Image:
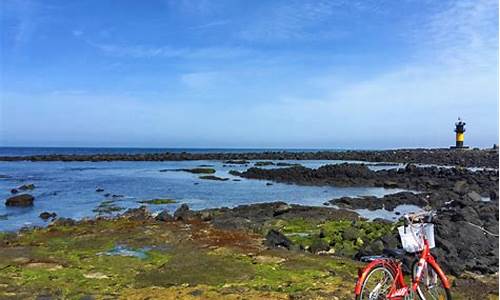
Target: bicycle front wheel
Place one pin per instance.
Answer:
(431, 286)
(376, 284)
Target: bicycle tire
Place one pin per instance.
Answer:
(372, 270)
(419, 292)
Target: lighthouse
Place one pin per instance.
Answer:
(459, 138)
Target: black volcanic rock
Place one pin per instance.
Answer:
(471, 158)
(20, 200)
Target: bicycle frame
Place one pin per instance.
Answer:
(399, 289)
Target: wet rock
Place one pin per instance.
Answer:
(164, 216)
(264, 163)
(47, 215)
(63, 222)
(107, 207)
(390, 184)
(27, 187)
(200, 170)
(319, 245)
(461, 187)
(494, 195)
(474, 196)
(183, 213)
(388, 202)
(424, 179)
(285, 164)
(139, 214)
(471, 158)
(14, 191)
(205, 216)
(212, 177)
(236, 162)
(255, 216)
(99, 190)
(461, 242)
(20, 200)
(276, 239)
(281, 209)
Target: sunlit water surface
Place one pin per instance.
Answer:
(69, 188)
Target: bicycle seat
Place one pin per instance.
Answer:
(394, 252)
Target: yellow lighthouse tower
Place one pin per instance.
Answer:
(459, 138)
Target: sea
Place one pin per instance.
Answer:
(70, 188)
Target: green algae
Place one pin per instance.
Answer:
(346, 237)
(107, 207)
(212, 177)
(200, 170)
(158, 201)
(197, 267)
(67, 262)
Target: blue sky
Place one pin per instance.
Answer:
(186, 73)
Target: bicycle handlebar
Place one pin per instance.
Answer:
(419, 217)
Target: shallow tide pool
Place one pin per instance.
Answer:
(69, 188)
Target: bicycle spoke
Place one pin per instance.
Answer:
(430, 285)
(377, 284)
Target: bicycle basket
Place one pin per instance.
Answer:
(412, 239)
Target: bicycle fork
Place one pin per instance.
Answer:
(399, 290)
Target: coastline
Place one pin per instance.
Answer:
(486, 158)
(264, 251)
(268, 250)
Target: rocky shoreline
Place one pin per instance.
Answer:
(268, 250)
(466, 201)
(465, 158)
(448, 182)
(466, 231)
(265, 250)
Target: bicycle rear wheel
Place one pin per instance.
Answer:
(431, 286)
(376, 284)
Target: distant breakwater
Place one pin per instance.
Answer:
(468, 158)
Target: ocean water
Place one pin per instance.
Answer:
(69, 188)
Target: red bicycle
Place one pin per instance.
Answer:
(383, 277)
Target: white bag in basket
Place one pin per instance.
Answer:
(412, 240)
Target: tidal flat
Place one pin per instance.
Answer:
(137, 256)
(272, 229)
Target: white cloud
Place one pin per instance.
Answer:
(454, 74)
(463, 34)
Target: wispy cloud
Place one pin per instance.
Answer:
(455, 74)
(144, 51)
(211, 25)
(24, 15)
(301, 20)
(464, 33)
